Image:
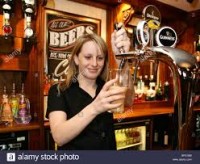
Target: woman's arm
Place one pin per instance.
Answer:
(64, 130)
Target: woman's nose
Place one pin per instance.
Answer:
(94, 61)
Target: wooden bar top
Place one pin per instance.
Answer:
(149, 109)
(144, 108)
(132, 112)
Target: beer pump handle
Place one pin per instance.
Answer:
(121, 50)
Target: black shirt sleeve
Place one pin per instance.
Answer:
(55, 101)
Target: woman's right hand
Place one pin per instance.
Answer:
(120, 40)
(103, 102)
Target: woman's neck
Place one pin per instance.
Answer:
(88, 85)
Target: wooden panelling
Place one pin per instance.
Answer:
(14, 62)
(19, 63)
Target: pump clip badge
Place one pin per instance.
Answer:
(166, 36)
(152, 16)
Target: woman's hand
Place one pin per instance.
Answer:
(103, 101)
(120, 40)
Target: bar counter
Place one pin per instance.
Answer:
(149, 109)
(145, 112)
(144, 108)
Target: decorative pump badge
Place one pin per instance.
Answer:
(152, 16)
(166, 36)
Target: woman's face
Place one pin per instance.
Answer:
(90, 60)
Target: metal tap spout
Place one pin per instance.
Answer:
(184, 68)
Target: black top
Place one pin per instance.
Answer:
(99, 134)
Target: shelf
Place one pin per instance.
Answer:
(19, 127)
(14, 63)
(128, 146)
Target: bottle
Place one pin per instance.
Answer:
(166, 139)
(14, 102)
(140, 88)
(23, 115)
(155, 136)
(159, 92)
(152, 79)
(151, 93)
(166, 91)
(198, 44)
(6, 110)
(197, 49)
(146, 83)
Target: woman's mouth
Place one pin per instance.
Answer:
(93, 70)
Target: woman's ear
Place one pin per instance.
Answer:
(76, 59)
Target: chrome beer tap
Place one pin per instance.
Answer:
(184, 67)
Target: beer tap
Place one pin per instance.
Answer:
(7, 8)
(121, 50)
(184, 67)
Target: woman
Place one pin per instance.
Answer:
(77, 108)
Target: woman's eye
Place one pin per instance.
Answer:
(87, 57)
(100, 58)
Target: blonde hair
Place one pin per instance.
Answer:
(73, 68)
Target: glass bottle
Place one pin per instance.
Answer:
(159, 92)
(197, 49)
(6, 110)
(166, 91)
(140, 88)
(155, 136)
(166, 139)
(198, 44)
(146, 83)
(23, 115)
(151, 93)
(14, 102)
